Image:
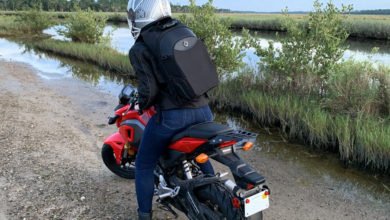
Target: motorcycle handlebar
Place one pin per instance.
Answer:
(133, 101)
(112, 120)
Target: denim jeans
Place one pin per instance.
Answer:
(157, 136)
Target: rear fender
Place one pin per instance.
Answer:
(117, 143)
(243, 173)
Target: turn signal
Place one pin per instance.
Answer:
(202, 158)
(247, 146)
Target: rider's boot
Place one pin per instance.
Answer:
(144, 216)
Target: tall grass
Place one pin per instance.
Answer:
(100, 55)
(375, 29)
(8, 26)
(363, 140)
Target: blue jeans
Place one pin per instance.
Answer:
(156, 138)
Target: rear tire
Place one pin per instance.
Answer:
(108, 156)
(218, 200)
(257, 216)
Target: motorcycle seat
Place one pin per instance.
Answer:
(204, 130)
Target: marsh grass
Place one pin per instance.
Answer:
(363, 141)
(8, 26)
(359, 88)
(372, 142)
(99, 55)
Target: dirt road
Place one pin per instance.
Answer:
(50, 138)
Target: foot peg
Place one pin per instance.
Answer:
(163, 191)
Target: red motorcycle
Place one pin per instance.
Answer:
(179, 182)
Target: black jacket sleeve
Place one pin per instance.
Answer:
(144, 66)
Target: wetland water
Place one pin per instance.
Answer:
(322, 169)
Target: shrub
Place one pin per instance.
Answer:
(33, 21)
(359, 88)
(224, 49)
(85, 26)
(309, 52)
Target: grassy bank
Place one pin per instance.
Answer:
(360, 140)
(99, 55)
(359, 26)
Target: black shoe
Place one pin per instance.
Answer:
(144, 216)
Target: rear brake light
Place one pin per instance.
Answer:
(236, 203)
(227, 144)
(202, 158)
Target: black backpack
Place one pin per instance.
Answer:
(185, 65)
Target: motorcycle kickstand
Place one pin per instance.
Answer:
(168, 208)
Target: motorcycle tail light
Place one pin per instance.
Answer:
(202, 158)
(227, 144)
(236, 203)
(247, 146)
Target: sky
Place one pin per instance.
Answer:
(293, 5)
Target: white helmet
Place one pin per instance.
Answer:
(143, 12)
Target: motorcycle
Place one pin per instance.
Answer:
(179, 182)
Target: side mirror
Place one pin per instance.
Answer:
(126, 94)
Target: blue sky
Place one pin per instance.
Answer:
(293, 5)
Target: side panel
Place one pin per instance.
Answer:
(187, 145)
(133, 130)
(117, 143)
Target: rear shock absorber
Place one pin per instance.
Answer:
(187, 169)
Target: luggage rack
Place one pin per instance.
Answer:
(240, 134)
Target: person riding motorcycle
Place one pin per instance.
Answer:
(171, 118)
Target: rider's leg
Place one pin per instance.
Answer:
(153, 143)
(156, 138)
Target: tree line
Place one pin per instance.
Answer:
(64, 5)
(71, 5)
(373, 12)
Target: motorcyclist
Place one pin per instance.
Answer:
(171, 118)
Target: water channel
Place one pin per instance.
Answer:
(271, 145)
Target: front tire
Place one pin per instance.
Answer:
(125, 171)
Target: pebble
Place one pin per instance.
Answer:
(82, 198)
